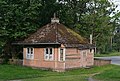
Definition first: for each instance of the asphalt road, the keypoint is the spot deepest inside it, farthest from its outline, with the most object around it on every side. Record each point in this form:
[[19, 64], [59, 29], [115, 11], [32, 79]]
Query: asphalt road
[[114, 59]]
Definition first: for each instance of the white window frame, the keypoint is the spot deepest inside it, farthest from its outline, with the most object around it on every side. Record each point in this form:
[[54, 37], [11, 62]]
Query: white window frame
[[92, 51], [49, 56], [30, 55], [63, 54]]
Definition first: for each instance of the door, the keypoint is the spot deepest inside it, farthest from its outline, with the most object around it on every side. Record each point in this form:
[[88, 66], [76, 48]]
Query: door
[[83, 58]]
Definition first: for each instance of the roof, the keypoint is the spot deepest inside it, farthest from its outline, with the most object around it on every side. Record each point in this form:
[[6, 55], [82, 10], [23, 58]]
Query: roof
[[55, 33], [80, 46]]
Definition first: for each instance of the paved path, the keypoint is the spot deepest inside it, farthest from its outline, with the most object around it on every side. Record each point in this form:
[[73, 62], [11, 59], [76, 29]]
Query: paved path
[[91, 79], [114, 59]]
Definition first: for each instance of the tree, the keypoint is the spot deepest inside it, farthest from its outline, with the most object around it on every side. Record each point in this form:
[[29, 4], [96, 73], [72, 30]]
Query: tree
[[97, 21], [116, 39], [19, 18], [116, 33]]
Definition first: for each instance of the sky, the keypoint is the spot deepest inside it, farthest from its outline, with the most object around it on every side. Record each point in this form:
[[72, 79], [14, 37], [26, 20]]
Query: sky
[[117, 2]]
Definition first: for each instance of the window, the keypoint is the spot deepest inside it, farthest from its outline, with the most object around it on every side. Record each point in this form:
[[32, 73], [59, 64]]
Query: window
[[48, 54], [61, 54], [84, 53], [29, 54], [91, 50]]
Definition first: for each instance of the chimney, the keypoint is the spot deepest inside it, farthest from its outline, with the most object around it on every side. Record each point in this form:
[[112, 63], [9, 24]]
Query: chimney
[[54, 19], [91, 38]]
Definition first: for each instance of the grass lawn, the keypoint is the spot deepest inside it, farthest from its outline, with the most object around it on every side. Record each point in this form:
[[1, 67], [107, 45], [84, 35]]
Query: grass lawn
[[109, 54], [12, 72], [110, 75], [60, 78]]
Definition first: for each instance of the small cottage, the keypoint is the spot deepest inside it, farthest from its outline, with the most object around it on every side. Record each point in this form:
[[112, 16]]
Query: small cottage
[[54, 46]]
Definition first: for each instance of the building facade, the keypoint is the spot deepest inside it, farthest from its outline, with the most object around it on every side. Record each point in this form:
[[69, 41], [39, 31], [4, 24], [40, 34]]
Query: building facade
[[54, 46]]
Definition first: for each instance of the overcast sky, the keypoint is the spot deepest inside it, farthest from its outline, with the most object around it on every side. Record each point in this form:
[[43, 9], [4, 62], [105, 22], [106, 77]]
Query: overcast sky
[[117, 2]]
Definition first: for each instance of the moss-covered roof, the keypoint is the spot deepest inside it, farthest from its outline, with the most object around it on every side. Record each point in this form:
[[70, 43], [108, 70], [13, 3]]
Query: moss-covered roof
[[55, 33]]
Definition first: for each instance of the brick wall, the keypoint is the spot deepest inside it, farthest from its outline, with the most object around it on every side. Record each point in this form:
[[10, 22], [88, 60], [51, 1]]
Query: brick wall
[[73, 59], [16, 61], [38, 60], [101, 62], [90, 58]]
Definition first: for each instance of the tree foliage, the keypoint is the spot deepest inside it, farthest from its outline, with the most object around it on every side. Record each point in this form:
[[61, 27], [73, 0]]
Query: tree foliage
[[19, 18], [98, 19]]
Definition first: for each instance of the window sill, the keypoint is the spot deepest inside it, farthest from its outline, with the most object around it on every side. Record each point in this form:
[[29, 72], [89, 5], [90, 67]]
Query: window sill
[[61, 61], [48, 60], [29, 59]]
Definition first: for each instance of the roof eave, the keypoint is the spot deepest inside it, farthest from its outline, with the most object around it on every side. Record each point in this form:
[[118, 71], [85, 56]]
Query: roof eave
[[36, 43]]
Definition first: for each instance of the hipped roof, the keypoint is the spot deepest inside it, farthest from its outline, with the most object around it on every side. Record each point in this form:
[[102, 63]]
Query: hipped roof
[[56, 33]]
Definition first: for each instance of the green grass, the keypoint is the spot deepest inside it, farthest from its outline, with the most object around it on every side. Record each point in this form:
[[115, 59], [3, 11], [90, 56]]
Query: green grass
[[8, 72], [13, 72], [109, 54], [60, 78], [112, 74]]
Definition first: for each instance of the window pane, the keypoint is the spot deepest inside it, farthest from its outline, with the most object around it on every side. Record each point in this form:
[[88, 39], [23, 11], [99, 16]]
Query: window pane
[[50, 57], [90, 50], [48, 53], [28, 50], [61, 54], [31, 56], [27, 56], [61, 51], [46, 57], [46, 50], [50, 50], [29, 53], [31, 50]]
